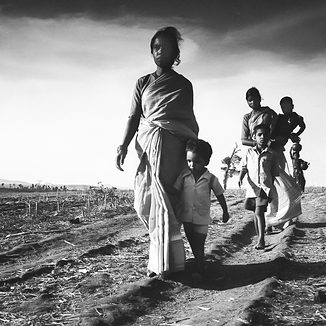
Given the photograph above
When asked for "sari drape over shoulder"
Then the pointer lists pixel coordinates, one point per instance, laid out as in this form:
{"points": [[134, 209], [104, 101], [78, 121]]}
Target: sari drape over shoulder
{"points": [[286, 205], [254, 118], [166, 123]]}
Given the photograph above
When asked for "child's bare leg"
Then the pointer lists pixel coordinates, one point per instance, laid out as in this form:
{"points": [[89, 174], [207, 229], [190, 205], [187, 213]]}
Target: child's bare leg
{"points": [[260, 222], [189, 231], [256, 224], [199, 253]]}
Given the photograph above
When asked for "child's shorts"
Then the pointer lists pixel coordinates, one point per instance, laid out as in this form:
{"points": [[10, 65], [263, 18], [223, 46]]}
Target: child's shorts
{"points": [[251, 203]]}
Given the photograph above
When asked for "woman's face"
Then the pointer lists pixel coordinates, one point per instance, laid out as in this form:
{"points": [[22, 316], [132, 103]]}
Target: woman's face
{"points": [[253, 102], [163, 52]]}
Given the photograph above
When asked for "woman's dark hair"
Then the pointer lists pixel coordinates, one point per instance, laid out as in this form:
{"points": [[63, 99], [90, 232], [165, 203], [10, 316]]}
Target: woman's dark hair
{"points": [[201, 147], [253, 91], [174, 36]]}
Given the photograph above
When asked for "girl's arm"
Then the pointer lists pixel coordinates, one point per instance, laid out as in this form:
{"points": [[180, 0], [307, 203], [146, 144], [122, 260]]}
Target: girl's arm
{"points": [[245, 132], [248, 142]]}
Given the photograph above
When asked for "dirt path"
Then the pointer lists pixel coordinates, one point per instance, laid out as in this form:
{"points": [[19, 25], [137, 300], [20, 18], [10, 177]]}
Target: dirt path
{"points": [[95, 274], [237, 275], [303, 273]]}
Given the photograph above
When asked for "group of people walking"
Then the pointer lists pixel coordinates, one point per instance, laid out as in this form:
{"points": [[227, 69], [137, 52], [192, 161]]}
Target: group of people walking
{"points": [[270, 182], [172, 183]]}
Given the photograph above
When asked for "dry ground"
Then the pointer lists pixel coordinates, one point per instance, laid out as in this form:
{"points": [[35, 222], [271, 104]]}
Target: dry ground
{"points": [[53, 272]]}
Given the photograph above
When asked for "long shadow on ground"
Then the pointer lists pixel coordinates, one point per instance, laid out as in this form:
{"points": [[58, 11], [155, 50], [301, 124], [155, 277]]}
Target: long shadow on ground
{"points": [[301, 225]]}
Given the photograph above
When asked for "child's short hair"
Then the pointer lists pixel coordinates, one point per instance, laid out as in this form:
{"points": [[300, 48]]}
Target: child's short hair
{"points": [[201, 147], [263, 126], [286, 99]]}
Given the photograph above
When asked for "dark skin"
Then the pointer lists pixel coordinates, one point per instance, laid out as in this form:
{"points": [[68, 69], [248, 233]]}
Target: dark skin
{"points": [[254, 104], [287, 108], [261, 138], [164, 56], [197, 165]]}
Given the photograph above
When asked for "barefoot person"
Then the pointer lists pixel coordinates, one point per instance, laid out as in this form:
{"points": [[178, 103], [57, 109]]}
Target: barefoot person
{"points": [[261, 167], [162, 115], [286, 200], [195, 184]]}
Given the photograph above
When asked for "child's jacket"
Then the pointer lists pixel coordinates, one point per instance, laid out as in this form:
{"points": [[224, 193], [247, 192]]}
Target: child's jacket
{"points": [[262, 168], [196, 196]]}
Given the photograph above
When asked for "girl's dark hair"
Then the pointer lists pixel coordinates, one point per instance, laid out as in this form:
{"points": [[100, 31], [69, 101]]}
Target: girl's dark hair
{"points": [[174, 36], [253, 91], [201, 147]]}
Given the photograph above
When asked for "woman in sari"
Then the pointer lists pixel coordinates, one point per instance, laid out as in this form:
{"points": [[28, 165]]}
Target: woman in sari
{"points": [[162, 116], [258, 115], [286, 203]]}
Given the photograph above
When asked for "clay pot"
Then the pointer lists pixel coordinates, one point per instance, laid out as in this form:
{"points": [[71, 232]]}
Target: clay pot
{"points": [[296, 147], [304, 165]]}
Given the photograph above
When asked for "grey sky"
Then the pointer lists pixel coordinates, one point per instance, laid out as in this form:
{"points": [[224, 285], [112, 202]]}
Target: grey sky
{"points": [[301, 37], [68, 69]]}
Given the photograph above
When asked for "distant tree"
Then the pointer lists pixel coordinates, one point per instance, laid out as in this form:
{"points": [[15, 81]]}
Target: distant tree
{"points": [[230, 165]]}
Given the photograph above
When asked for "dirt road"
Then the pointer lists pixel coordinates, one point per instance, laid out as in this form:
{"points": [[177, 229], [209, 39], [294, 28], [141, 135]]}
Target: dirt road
{"points": [[94, 273]]}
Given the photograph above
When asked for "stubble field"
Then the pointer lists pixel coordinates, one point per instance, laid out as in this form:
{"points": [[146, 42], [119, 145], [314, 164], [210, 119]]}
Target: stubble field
{"points": [[81, 259]]}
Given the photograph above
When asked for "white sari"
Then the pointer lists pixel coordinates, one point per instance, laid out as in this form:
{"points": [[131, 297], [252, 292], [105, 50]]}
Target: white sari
{"points": [[166, 123]]}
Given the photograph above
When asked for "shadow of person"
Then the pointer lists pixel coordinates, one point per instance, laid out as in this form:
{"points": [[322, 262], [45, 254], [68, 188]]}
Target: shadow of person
{"points": [[302, 225], [222, 277]]}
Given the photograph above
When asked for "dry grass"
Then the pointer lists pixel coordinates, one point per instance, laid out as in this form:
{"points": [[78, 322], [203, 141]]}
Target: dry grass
{"points": [[54, 272]]}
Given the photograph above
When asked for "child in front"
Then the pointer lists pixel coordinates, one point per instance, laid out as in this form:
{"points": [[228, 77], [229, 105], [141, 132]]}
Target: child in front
{"points": [[195, 185], [260, 164]]}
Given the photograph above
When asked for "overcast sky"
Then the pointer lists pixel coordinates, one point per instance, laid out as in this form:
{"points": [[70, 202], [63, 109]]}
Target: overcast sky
{"points": [[68, 69]]}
